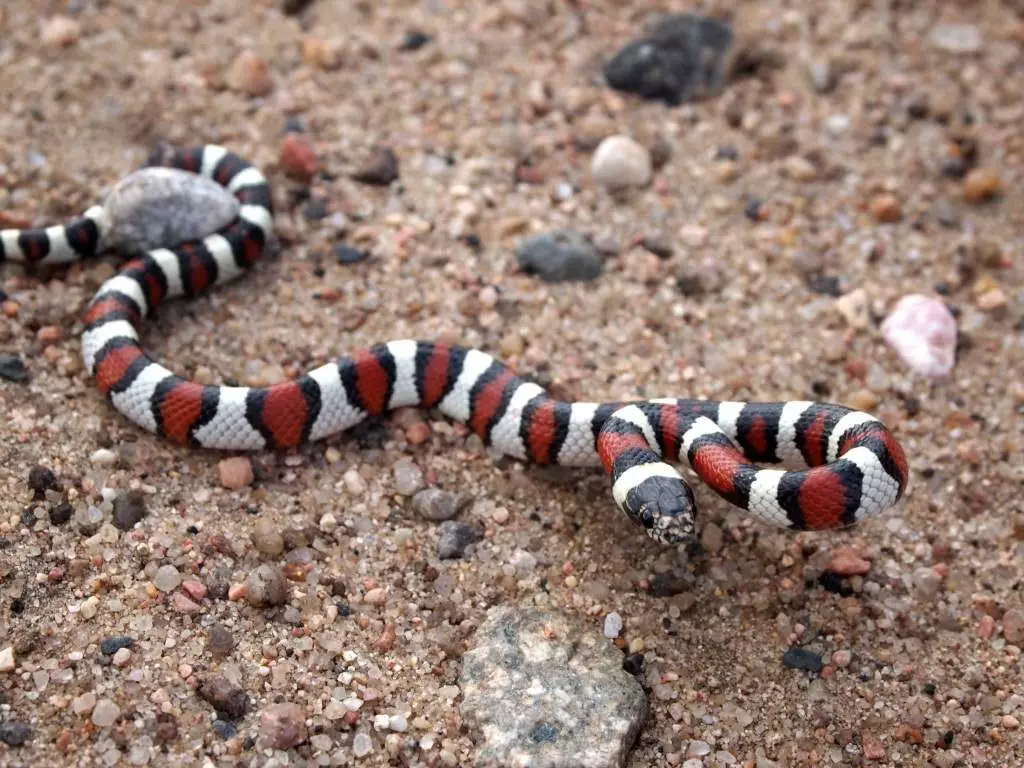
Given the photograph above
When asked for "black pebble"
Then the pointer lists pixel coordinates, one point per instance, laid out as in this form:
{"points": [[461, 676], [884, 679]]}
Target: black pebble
{"points": [[14, 734], [682, 56], [826, 284], [413, 40], [40, 480], [111, 645], [634, 663], [294, 125], [668, 584], [60, 514], [800, 658], [833, 582], [473, 241], [727, 152], [13, 368], [346, 254], [225, 729], [752, 209], [315, 209]]}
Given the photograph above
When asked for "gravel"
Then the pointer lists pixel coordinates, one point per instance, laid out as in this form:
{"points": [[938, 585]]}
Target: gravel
{"points": [[926, 617]]}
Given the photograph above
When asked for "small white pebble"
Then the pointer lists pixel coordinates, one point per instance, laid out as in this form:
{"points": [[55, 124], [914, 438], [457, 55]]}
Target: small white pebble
{"points": [[381, 722], [105, 713], [7, 663], [354, 483], [121, 657], [89, 607], [612, 625], [103, 457], [361, 744], [398, 723]]}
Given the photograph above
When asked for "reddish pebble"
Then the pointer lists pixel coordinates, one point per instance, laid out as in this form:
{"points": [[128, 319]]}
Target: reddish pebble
{"points": [[195, 588], [1013, 626], [297, 158], [872, 746], [235, 473], [885, 209], [908, 734], [182, 604], [981, 184], [55, 574], [986, 627], [10, 308], [49, 334], [250, 74], [386, 641], [351, 718], [847, 561], [417, 433], [236, 592]]}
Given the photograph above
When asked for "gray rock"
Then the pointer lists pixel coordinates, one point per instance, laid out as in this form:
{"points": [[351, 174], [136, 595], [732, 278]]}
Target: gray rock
{"points": [[13, 368], [228, 699], [129, 508], [455, 538], [681, 57], [283, 726], [163, 207], [542, 691], [437, 504], [266, 587], [956, 38], [559, 256]]}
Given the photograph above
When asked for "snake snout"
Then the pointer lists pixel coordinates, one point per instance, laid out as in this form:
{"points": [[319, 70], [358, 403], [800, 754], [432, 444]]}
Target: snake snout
{"points": [[666, 508]]}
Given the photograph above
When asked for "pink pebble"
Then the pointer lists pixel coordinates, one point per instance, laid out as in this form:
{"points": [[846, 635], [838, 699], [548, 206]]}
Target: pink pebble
{"points": [[922, 331]]}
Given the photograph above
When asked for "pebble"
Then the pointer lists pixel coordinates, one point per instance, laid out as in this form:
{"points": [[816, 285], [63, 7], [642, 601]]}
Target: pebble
{"points": [[612, 625], [436, 504], [89, 607], [712, 538], [103, 457], [283, 726], [680, 57], [408, 477], [800, 658], [49, 335], [121, 657], [855, 308], [454, 538], [228, 700], [111, 645], [956, 38], [105, 713], [219, 640], [927, 582], [7, 662], [885, 209], [235, 473], [129, 509], [61, 513], [182, 604], [800, 168], [267, 538], [60, 32], [158, 207], [842, 658], [923, 332], [361, 744], [559, 256], [13, 368], [297, 158], [249, 73], [40, 480], [14, 733], [1013, 626], [266, 586], [982, 185], [621, 162], [413, 40], [167, 578], [346, 254], [83, 704], [380, 169], [847, 561], [822, 75]]}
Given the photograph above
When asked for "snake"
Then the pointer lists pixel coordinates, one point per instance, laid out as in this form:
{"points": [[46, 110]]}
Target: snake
{"points": [[849, 466]]}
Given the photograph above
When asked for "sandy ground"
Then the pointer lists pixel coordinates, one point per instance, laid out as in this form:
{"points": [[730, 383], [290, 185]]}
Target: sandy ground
{"points": [[929, 667]]}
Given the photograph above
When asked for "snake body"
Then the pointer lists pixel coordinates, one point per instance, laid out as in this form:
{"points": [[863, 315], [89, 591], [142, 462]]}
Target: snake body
{"points": [[855, 467]]}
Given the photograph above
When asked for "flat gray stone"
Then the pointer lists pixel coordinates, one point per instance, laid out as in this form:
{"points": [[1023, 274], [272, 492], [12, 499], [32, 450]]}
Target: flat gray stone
{"points": [[542, 691], [559, 256], [164, 207]]}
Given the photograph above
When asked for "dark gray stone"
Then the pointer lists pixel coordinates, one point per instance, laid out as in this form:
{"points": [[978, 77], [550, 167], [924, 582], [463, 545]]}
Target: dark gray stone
{"points": [[682, 56], [129, 508], [455, 538], [15, 734], [800, 658], [544, 691], [229, 700], [160, 207], [13, 368], [559, 256]]}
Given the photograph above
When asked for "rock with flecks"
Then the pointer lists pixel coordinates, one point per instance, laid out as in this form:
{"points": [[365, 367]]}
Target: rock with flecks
{"points": [[543, 691]]}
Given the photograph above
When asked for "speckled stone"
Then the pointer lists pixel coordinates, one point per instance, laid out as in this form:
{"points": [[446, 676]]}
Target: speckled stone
{"points": [[543, 691], [162, 207]]}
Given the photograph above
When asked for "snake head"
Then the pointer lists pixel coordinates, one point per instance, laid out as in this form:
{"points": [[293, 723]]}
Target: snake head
{"points": [[665, 506]]}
